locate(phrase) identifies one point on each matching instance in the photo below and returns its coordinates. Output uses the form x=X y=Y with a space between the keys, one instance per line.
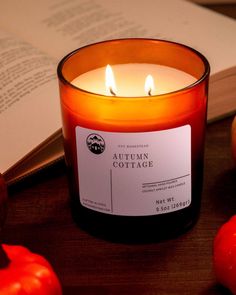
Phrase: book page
x=59 y=26
x=213 y=2
x=49 y=152
x=29 y=106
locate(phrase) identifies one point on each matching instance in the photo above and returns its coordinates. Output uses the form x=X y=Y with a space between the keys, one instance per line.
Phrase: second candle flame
x=149 y=85
x=110 y=81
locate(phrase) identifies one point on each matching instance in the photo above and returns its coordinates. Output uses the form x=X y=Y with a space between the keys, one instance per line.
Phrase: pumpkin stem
x=4 y=260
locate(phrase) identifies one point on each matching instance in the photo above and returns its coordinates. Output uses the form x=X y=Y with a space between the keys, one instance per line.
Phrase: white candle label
x=134 y=174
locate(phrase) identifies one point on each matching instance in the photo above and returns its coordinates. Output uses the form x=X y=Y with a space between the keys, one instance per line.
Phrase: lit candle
x=134 y=150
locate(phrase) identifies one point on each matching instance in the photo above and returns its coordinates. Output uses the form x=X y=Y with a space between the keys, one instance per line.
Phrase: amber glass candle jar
x=135 y=162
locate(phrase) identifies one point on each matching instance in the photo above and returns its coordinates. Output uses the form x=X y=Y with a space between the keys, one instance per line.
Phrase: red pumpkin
x=23 y=272
x=224 y=254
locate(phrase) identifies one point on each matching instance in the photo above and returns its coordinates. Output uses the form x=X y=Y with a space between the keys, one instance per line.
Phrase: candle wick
x=150 y=92
x=111 y=91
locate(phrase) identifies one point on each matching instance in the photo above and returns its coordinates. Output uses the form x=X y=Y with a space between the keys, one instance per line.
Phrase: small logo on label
x=95 y=143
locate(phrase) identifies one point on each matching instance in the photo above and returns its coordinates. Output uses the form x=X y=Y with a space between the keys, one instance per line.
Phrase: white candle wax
x=130 y=79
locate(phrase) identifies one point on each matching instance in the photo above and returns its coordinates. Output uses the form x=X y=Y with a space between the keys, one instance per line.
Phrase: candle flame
x=110 y=81
x=149 y=85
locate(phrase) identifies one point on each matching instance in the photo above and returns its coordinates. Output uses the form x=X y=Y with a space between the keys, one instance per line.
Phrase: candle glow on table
x=135 y=150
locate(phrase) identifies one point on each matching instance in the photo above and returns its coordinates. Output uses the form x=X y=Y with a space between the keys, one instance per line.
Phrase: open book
x=34 y=36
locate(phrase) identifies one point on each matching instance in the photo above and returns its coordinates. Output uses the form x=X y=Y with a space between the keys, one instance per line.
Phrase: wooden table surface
x=39 y=218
